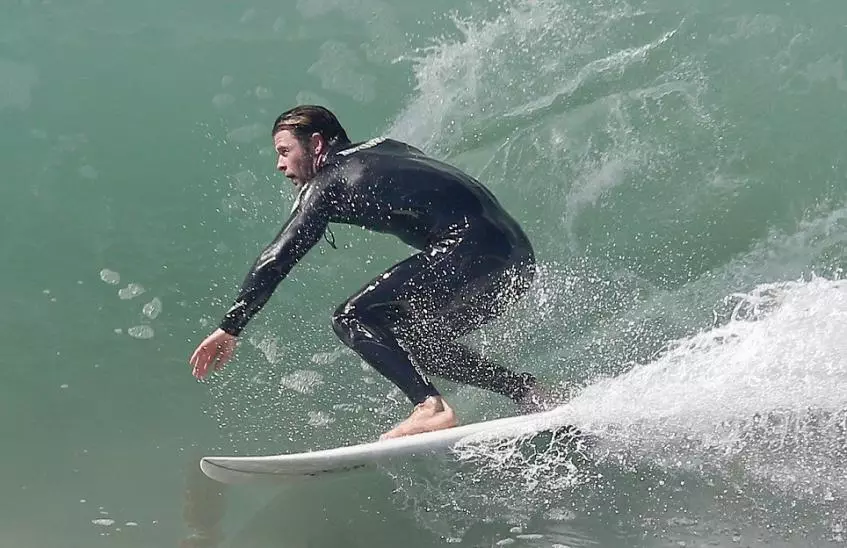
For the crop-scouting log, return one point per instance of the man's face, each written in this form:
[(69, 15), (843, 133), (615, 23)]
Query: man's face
[(295, 161)]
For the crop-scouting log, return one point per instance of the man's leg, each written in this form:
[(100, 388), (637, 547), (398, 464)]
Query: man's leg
[(364, 324), (461, 364), (433, 343)]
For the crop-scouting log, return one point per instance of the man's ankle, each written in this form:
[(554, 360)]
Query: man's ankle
[(434, 403)]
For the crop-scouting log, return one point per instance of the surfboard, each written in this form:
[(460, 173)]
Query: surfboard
[(293, 466)]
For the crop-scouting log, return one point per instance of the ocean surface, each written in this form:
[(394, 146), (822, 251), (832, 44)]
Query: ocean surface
[(680, 167)]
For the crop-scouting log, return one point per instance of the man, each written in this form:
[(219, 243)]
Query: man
[(474, 261)]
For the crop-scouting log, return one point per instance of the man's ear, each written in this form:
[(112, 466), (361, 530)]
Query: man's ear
[(318, 143)]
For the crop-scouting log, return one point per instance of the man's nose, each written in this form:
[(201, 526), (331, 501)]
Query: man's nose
[(280, 164)]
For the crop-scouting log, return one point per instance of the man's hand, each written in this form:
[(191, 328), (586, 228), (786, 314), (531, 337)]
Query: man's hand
[(213, 353)]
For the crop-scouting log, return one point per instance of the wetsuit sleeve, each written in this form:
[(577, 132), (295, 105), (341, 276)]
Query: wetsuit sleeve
[(304, 228)]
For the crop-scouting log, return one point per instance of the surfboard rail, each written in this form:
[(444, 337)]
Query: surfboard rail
[(287, 467)]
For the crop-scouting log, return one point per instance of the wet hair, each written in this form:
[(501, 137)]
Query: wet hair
[(304, 120)]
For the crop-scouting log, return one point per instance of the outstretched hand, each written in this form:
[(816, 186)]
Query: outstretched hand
[(213, 353)]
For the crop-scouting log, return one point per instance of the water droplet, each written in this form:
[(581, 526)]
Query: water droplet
[(131, 291), (140, 332), (320, 418), (110, 276), (88, 172), (264, 93), (222, 100), (103, 522), (303, 381), (153, 308)]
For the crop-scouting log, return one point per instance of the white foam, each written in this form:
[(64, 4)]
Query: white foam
[(469, 79), (326, 358), (340, 70), (792, 355), (353, 408), (319, 419), (304, 381), (269, 347), (765, 393)]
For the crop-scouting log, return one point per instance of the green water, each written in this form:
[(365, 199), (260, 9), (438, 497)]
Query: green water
[(667, 160)]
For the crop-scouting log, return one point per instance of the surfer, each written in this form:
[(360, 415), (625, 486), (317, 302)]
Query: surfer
[(474, 261)]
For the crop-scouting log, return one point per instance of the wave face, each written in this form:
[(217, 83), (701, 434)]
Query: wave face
[(680, 168)]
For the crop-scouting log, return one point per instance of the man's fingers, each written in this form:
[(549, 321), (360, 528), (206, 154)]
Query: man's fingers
[(198, 352), (201, 356), (223, 356), (215, 360), (211, 355), (201, 364)]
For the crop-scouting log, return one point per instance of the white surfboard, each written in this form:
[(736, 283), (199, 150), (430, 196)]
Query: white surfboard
[(286, 467)]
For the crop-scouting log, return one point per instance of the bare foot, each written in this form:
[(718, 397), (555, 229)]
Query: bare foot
[(433, 414)]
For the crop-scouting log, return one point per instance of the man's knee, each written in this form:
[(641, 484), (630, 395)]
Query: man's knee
[(342, 320), (351, 323)]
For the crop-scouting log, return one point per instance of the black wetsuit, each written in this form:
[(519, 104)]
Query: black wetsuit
[(474, 261)]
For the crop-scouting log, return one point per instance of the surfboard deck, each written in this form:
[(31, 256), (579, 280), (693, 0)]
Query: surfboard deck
[(287, 467)]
